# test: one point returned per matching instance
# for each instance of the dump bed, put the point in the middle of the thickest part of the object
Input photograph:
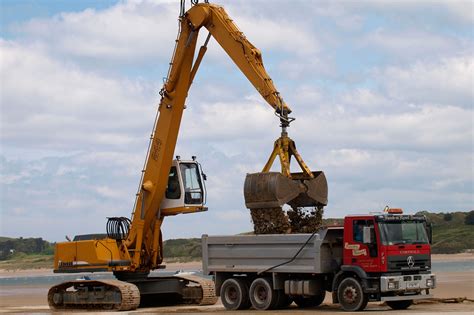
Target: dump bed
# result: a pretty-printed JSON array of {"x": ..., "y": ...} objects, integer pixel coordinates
[{"x": 255, "y": 253}]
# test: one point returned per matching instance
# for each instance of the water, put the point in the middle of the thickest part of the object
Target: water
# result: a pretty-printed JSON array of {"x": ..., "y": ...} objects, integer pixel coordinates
[
  {"x": 437, "y": 266},
  {"x": 451, "y": 266}
]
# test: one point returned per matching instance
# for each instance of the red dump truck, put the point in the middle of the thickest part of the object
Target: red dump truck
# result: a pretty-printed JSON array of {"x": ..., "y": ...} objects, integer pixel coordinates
[{"x": 376, "y": 257}]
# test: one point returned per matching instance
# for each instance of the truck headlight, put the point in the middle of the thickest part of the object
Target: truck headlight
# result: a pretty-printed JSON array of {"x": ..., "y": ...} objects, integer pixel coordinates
[
  {"x": 393, "y": 285},
  {"x": 429, "y": 282}
]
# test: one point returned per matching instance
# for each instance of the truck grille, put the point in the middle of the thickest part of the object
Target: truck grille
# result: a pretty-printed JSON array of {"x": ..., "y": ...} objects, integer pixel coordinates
[{"x": 416, "y": 262}]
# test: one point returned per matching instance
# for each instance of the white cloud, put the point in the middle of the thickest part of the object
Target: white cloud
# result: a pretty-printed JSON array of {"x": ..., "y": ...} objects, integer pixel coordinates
[
  {"x": 233, "y": 215},
  {"x": 297, "y": 40},
  {"x": 462, "y": 9},
  {"x": 448, "y": 81},
  {"x": 108, "y": 192},
  {"x": 428, "y": 128},
  {"x": 49, "y": 104},
  {"x": 228, "y": 121},
  {"x": 454, "y": 11},
  {"x": 133, "y": 29},
  {"x": 411, "y": 43}
]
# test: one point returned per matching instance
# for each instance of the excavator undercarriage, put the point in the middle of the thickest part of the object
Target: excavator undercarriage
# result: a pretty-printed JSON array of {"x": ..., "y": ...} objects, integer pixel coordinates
[{"x": 128, "y": 295}]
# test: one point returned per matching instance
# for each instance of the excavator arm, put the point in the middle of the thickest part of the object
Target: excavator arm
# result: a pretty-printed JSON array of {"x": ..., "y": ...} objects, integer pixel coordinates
[
  {"x": 143, "y": 240},
  {"x": 135, "y": 245}
]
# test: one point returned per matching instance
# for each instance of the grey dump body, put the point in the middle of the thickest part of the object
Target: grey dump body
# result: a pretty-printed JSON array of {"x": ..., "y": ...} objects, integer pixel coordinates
[{"x": 257, "y": 253}]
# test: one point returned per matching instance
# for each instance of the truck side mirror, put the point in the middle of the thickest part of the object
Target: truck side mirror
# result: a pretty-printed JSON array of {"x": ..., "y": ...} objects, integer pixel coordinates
[{"x": 366, "y": 237}]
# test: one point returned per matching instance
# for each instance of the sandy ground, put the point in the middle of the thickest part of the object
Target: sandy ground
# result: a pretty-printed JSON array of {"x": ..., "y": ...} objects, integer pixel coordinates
[
  {"x": 452, "y": 257},
  {"x": 32, "y": 298}
]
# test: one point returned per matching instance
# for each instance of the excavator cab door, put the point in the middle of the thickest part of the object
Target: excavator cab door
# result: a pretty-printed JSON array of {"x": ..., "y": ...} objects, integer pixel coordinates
[{"x": 185, "y": 191}]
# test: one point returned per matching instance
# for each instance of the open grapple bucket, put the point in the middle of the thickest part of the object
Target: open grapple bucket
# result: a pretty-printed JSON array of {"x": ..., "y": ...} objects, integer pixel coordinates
[
  {"x": 266, "y": 192},
  {"x": 273, "y": 190}
]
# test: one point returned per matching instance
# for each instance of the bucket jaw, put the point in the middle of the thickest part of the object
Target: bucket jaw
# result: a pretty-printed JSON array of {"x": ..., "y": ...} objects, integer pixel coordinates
[
  {"x": 266, "y": 192},
  {"x": 273, "y": 190}
]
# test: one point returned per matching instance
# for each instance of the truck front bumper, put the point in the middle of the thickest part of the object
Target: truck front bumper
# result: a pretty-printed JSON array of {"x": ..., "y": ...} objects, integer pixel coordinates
[{"x": 407, "y": 283}]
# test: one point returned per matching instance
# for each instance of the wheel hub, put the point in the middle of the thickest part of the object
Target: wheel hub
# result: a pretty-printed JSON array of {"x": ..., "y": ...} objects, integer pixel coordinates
[
  {"x": 231, "y": 295},
  {"x": 350, "y": 294},
  {"x": 261, "y": 294}
]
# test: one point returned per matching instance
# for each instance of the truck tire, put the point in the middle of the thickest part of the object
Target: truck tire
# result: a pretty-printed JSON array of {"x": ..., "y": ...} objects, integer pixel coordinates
[
  {"x": 399, "y": 305},
  {"x": 309, "y": 301},
  {"x": 262, "y": 295},
  {"x": 235, "y": 294},
  {"x": 351, "y": 295}
]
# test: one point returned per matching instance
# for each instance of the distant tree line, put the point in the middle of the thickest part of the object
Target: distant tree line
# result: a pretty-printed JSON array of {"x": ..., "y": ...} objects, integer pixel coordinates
[{"x": 12, "y": 246}]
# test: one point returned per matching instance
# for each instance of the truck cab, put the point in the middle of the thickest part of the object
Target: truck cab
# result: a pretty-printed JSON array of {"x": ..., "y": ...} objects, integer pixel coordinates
[{"x": 391, "y": 255}]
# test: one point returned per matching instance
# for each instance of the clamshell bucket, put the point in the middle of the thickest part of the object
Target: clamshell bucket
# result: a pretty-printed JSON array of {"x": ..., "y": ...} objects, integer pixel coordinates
[{"x": 272, "y": 190}]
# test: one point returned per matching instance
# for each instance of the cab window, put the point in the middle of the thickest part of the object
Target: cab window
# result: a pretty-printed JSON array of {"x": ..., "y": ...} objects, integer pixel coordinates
[
  {"x": 358, "y": 230},
  {"x": 358, "y": 234},
  {"x": 193, "y": 191}
]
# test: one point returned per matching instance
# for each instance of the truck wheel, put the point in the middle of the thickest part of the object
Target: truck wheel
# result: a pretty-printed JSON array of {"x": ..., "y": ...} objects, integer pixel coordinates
[
  {"x": 351, "y": 296},
  {"x": 262, "y": 295},
  {"x": 235, "y": 294},
  {"x": 310, "y": 301},
  {"x": 399, "y": 305}
]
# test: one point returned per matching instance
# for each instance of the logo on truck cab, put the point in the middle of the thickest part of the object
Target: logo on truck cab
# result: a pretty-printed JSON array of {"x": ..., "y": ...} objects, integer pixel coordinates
[{"x": 356, "y": 251}]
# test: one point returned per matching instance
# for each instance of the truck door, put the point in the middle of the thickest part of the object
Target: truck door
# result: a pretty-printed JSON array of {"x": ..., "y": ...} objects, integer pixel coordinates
[{"x": 356, "y": 252}]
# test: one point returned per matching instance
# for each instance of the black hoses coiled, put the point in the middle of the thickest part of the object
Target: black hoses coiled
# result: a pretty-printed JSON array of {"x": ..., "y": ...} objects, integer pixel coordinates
[{"x": 118, "y": 227}]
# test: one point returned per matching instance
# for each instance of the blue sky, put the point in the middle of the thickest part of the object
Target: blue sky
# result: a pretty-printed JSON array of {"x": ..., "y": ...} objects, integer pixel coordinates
[{"x": 382, "y": 93}]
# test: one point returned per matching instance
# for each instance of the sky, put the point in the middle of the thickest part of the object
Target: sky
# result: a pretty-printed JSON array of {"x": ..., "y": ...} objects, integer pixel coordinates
[{"x": 382, "y": 93}]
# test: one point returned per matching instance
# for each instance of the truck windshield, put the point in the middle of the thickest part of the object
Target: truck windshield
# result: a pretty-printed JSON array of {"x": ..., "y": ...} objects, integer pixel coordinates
[{"x": 403, "y": 232}]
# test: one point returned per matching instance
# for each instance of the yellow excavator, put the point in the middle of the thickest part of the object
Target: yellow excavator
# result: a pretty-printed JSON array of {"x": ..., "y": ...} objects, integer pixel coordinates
[{"x": 133, "y": 247}]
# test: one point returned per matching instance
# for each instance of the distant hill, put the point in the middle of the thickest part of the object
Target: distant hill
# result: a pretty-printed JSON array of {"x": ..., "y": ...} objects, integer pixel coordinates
[
  {"x": 453, "y": 232},
  {"x": 10, "y": 247},
  {"x": 182, "y": 250}
]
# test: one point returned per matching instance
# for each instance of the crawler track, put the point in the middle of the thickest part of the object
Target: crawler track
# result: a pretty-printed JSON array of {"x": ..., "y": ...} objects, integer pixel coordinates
[
  {"x": 208, "y": 290},
  {"x": 94, "y": 295}
]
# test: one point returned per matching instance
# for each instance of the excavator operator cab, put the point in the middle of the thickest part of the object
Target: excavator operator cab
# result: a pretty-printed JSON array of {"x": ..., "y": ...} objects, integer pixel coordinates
[{"x": 186, "y": 191}]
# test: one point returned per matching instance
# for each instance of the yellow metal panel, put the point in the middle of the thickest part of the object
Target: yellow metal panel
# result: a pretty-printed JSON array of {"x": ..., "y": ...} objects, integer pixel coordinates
[{"x": 87, "y": 254}]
